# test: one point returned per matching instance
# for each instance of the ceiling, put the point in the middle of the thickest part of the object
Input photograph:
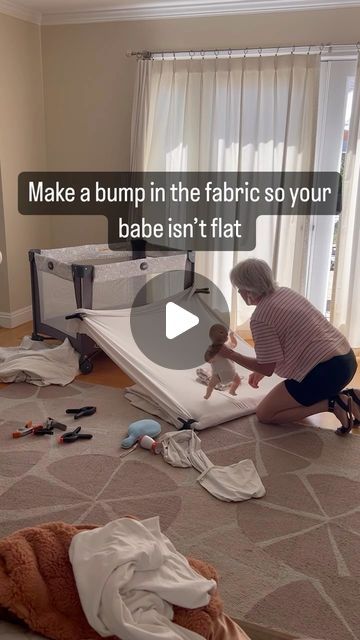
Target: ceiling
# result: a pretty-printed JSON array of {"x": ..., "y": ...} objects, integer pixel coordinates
[{"x": 75, "y": 11}]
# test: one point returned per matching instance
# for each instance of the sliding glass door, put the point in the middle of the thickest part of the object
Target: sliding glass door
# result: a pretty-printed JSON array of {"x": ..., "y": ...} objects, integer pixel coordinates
[{"x": 335, "y": 101}]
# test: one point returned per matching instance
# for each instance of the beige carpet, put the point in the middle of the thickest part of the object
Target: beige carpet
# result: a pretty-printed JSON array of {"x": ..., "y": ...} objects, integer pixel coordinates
[{"x": 289, "y": 561}]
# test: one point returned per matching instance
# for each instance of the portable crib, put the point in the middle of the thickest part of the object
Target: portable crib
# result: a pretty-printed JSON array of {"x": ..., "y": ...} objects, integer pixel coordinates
[{"x": 96, "y": 277}]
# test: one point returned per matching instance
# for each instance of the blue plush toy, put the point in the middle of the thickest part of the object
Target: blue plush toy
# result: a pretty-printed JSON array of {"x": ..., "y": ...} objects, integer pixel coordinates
[{"x": 141, "y": 428}]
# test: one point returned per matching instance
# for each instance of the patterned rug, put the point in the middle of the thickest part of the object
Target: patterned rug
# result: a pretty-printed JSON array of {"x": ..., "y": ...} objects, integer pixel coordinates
[{"x": 289, "y": 561}]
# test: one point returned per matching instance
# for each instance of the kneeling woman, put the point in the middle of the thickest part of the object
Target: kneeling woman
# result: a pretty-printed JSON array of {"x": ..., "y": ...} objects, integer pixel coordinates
[{"x": 294, "y": 340}]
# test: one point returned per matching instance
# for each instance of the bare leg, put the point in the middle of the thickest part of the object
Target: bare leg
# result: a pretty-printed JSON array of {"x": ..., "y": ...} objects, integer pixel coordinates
[
  {"x": 279, "y": 407},
  {"x": 235, "y": 383},
  {"x": 214, "y": 380}
]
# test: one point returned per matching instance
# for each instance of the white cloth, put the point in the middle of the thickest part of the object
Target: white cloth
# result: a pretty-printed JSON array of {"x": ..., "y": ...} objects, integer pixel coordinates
[
  {"x": 233, "y": 483},
  {"x": 128, "y": 574},
  {"x": 345, "y": 307},
  {"x": 37, "y": 363},
  {"x": 232, "y": 114}
]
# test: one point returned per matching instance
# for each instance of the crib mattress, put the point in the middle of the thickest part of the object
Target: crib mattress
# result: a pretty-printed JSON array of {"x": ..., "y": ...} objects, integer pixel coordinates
[{"x": 171, "y": 393}]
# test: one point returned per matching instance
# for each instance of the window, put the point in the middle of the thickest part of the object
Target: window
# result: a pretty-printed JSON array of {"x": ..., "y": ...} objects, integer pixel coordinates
[{"x": 335, "y": 102}]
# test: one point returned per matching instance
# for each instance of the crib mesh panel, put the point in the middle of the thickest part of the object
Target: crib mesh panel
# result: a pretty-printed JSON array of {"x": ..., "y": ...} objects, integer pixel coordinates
[
  {"x": 118, "y": 288},
  {"x": 57, "y": 297},
  {"x": 117, "y": 280}
]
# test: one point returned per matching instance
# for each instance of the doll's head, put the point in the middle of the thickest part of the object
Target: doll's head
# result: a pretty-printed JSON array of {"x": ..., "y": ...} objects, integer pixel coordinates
[{"x": 218, "y": 334}]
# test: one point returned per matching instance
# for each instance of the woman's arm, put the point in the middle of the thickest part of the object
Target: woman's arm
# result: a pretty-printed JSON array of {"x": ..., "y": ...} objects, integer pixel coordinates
[{"x": 249, "y": 363}]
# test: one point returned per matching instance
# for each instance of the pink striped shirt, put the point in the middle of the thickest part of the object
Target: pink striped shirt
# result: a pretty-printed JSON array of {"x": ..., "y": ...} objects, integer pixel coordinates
[{"x": 289, "y": 331}]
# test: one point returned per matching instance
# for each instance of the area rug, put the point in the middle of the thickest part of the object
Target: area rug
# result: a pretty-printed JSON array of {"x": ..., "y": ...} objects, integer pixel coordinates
[{"x": 289, "y": 561}]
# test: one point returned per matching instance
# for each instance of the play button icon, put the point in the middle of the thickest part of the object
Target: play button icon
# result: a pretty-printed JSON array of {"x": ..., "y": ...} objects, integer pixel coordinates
[
  {"x": 171, "y": 325},
  {"x": 178, "y": 320}
]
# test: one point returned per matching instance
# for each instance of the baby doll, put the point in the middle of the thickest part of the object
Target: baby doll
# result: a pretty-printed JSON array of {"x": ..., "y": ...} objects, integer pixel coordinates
[{"x": 222, "y": 369}]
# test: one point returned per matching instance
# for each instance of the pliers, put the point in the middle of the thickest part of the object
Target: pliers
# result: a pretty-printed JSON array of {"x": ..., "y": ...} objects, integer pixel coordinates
[
  {"x": 48, "y": 427},
  {"x": 50, "y": 423},
  {"x": 81, "y": 413},
  {"x": 71, "y": 436},
  {"x": 43, "y": 431}
]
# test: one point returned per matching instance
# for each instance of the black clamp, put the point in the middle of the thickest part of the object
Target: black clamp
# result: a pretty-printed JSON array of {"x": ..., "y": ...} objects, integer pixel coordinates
[
  {"x": 203, "y": 290},
  {"x": 72, "y": 436},
  {"x": 186, "y": 424},
  {"x": 81, "y": 413},
  {"x": 77, "y": 316}
]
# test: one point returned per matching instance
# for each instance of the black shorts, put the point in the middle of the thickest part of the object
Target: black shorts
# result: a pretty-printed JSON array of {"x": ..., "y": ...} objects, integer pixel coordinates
[{"x": 325, "y": 380}]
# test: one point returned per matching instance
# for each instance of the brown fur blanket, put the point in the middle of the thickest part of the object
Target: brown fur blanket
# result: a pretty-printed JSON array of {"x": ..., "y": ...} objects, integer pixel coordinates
[{"x": 37, "y": 585}]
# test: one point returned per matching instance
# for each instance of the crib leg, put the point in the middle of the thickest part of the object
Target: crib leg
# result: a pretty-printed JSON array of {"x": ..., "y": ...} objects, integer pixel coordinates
[
  {"x": 85, "y": 365},
  {"x": 36, "y": 337}
]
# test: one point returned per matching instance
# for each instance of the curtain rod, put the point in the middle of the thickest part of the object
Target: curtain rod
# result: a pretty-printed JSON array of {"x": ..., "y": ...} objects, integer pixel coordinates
[{"x": 327, "y": 51}]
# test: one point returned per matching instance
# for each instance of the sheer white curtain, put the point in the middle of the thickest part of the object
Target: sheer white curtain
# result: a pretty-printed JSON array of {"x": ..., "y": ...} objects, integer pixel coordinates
[
  {"x": 345, "y": 311},
  {"x": 235, "y": 114}
]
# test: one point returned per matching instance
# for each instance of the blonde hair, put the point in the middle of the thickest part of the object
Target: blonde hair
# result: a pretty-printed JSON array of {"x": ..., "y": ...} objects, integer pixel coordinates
[{"x": 253, "y": 275}]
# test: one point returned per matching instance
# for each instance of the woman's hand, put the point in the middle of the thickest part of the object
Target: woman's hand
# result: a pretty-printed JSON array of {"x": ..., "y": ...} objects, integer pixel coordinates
[
  {"x": 254, "y": 379},
  {"x": 226, "y": 352},
  {"x": 218, "y": 350}
]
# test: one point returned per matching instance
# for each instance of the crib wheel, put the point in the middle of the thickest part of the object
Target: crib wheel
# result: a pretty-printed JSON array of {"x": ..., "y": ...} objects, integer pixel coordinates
[{"x": 86, "y": 366}]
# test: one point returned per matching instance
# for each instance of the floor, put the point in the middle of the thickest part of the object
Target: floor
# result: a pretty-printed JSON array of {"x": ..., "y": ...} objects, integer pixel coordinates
[{"x": 107, "y": 373}]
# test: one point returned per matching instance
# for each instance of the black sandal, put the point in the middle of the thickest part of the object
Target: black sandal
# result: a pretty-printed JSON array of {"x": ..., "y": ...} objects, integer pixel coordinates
[
  {"x": 351, "y": 394},
  {"x": 342, "y": 431}
]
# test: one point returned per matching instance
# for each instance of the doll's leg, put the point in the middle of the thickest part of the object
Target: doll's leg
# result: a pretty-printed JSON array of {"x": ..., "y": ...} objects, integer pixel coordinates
[
  {"x": 234, "y": 385},
  {"x": 214, "y": 380}
]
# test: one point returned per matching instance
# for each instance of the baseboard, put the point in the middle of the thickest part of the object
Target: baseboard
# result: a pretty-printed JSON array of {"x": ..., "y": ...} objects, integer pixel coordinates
[{"x": 16, "y": 318}]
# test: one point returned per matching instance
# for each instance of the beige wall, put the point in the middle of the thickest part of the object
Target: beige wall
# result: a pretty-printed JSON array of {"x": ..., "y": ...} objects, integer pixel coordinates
[
  {"x": 88, "y": 84},
  {"x": 4, "y": 281},
  {"x": 89, "y": 81},
  {"x": 22, "y": 148}
]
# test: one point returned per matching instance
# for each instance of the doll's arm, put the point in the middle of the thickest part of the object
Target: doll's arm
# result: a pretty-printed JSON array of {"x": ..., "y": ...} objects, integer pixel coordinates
[{"x": 232, "y": 340}]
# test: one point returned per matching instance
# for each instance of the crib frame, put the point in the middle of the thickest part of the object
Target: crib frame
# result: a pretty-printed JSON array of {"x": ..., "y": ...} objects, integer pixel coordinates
[{"x": 83, "y": 277}]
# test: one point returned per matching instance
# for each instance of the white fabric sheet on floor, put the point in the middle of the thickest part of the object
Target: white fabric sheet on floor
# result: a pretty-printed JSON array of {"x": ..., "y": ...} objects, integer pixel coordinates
[
  {"x": 128, "y": 575},
  {"x": 171, "y": 393},
  {"x": 233, "y": 483},
  {"x": 37, "y": 363}
]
